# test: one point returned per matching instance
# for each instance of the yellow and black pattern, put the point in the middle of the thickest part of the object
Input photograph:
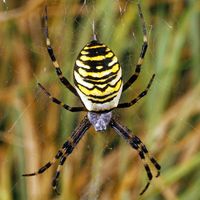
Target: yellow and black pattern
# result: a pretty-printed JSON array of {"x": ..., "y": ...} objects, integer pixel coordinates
[{"x": 97, "y": 77}]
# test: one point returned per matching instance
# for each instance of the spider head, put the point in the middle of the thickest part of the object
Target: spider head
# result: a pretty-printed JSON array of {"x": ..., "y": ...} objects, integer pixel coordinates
[{"x": 100, "y": 121}]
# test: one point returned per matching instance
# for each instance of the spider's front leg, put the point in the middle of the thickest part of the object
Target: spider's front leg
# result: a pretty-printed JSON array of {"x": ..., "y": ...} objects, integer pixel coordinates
[
  {"x": 137, "y": 144},
  {"x": 140, "y": 61},
  {"x": 65, "y": 151},
  {"x": 59, "y": 73},
  {"x": 140, "y": 96},
  {"x": 60, "y": 103}
]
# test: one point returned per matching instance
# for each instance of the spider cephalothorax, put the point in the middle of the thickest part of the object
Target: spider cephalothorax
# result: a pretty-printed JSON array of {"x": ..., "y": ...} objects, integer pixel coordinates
[
  {"x": 98, "y": 84},
  {"x": 100, "y": 121}
]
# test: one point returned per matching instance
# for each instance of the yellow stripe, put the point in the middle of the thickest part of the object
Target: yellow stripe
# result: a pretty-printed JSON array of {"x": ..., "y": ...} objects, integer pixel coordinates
[
  {"x": 97, "y": 92},
  {"x": 94, "y": 47},
  {"x": 55, "y": 63},
  {"x": 84, "y": 73},
  {"x": 48, "y": 42},
  {"x": 140, "y": 61},
  {"x": 145, "y": 38},
  {"x": 81, "y": 64},
  {"x": 114, "y": 60},
  {"x": 96, "y": 58},
  {"x": 99, "y": 67},
  {"x": 109, "y": 55},
  {"x": 84, "y": 52}
]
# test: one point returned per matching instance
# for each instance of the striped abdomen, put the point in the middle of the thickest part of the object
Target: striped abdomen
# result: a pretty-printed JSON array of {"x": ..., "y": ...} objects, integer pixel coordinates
[{"x": 98, "y": 77}]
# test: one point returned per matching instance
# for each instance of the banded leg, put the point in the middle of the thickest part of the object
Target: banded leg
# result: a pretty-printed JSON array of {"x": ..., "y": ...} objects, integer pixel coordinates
[
  {"x": 141, "y": 95},
  {"x": 48, "y": 164},
  {"x": 137, "y": 144},
  {"x": 53, "y": 58},
  {"x": 56, "y": 177},
  {"x": 65, "y": 151},
  {"x": 133, "y": 78},
  {"x": 58, "y": 102}
]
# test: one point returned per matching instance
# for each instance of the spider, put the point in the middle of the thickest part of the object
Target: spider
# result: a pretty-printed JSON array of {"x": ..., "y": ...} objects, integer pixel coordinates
[{"x": 98, "y": 84}]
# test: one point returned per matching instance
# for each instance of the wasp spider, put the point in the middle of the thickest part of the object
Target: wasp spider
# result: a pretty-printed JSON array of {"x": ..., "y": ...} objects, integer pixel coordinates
[{"x": 98, "y": 84}]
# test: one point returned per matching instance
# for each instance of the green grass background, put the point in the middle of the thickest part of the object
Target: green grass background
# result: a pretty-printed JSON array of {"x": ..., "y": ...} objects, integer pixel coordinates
[{"x": 102, "y": 166}]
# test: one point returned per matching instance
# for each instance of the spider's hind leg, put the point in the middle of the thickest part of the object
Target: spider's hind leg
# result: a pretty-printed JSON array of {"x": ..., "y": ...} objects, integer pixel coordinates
[
  {"x": 137, "y": 144},
  {"x": 48, "y": 164},
  {"x": 56, "y": 177},
  {"x": 65, "y": 151}
]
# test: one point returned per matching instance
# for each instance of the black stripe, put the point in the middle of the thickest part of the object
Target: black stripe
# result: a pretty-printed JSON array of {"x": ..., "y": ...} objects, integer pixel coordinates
[
  {"x": 102, "y": 97},
  {"x": 93, "y": 43},
  {"x": 98, "y": 88},
  {"x": 102, "y": 102},
  {"x": 55, "y": 100},
  {"x": 50, "y": 50},
  {"x": 42, "y": 169},
  {"x": 134, "y": 145},
  {"x": 96, "y": 52},
  {"x": 155, "y": 163},
  {"x": 59, "y": 154},
  {"x": 137, "y": 140},
  {"x": 62, "y": 160},
  {"x": 99, "y": 78},
  {"x": 141, "y": 154},
  {"x": 144, "y": 49},
  {"x": 92, "y": 63},
  {"x": 149, "y": 174},
  {"x": 144, "y": 149},
  {"x": 58, "y": 71},
  {"x": 54, "y": 182},
  {"x": 93, "y": 67},
  {"x": 138, "y": 68},
  {"x": 103, "y": 82}
]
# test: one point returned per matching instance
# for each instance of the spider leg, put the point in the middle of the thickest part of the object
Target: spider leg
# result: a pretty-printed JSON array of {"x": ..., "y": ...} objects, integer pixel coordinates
[
  {"x": 47, "y": 165},
  {"x": 133, "y": 78},
  {"x": 56, "y": 177},
  {"x": 137, "y": 144},
  {"x": 69, "y": 147},
  {"x": 141, "y": 95},
  {"x": 57, "y": 101},
  {"x": 65, "y": 151},
  {"x": 53, "y": 58}
]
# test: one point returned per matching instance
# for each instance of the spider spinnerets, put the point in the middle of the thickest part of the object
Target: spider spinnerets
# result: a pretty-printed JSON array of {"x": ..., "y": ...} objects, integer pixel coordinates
[{"x": 98, "y": 84}]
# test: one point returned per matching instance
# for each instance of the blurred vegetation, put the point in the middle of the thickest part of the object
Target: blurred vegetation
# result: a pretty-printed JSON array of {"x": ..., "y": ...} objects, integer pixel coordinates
[{"x": 102, "y": 166}]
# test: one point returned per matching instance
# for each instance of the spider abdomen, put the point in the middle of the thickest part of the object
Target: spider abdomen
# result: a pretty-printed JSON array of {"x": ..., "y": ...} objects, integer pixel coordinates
[{"x": 98, "y": 77}]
